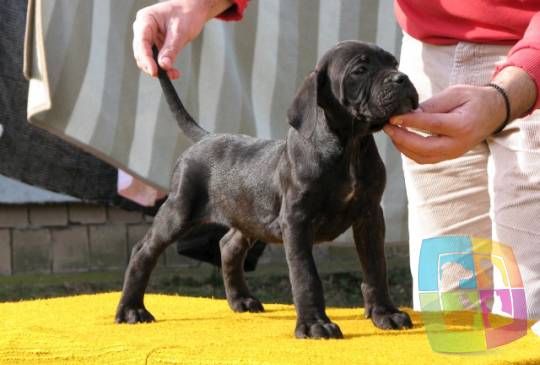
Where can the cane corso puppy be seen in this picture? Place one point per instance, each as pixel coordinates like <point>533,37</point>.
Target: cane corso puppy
<point>324,178</point>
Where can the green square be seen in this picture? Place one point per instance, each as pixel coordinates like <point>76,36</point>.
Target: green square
<point>453,331</point>
<point>430,302</point>
<point>461,300</point>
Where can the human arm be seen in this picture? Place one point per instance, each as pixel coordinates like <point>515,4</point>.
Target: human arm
<point>172,25</point>
<point>462,116</point>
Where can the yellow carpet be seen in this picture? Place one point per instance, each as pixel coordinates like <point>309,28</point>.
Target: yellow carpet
<point>80,330</point>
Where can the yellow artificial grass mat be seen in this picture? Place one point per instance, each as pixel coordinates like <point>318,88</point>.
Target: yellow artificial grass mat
<point>80,330</point>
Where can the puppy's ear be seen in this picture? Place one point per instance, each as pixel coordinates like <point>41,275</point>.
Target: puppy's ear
<point>302,114</point>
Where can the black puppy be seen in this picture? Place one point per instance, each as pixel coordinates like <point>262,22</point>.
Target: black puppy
<point>326,177</point>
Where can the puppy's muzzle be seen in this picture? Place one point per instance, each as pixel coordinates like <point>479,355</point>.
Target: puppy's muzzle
<point>396,95</point>
<point>407,95</point>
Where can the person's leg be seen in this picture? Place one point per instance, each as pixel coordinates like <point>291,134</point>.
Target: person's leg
<point>451,197</point>
<point>514,174</point>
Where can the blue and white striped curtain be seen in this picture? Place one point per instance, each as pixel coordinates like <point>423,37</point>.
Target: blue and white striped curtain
<point>236,77</point>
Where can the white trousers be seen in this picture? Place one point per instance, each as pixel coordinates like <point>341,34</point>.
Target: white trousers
<point>493,191</point>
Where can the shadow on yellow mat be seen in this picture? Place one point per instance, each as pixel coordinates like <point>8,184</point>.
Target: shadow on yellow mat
<point>80,330</point>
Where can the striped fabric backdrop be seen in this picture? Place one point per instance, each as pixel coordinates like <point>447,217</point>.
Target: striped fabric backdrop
<point>237,77</point>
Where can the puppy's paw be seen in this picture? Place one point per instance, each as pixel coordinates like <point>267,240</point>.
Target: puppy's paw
<point>317,329</point>
<point>390,318</point>
<point>126,314</point>
<point>246,304</point>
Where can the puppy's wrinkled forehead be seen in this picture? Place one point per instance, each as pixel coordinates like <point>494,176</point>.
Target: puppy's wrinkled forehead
<point>350,53</point>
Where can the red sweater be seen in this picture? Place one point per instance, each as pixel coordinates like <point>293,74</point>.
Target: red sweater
<point>508,22</point>
<point>235,12</point>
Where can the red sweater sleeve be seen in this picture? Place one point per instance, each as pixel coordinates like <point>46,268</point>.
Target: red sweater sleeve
<point>235,12</point>
<point>526,54</point>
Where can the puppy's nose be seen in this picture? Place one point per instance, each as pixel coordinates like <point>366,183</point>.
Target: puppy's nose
<point>398,78</point>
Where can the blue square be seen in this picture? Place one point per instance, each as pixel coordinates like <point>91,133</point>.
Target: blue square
<point>460,266</point>
<point>430,252</point>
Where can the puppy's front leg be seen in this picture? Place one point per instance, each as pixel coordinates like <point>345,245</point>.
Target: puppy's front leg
<point>369,240</point>
<point>312,321</point>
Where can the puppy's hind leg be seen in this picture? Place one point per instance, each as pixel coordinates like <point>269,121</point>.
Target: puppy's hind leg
<point>234,247</point>
<point>169,224</point>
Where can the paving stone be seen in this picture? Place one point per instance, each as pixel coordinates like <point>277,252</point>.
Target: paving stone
<point>87,213</point>
<point>70,249</point>
<point>13,216</point>
<point>149,218</point>
<point>31,251</point>
<point>48,215</point>
<point>5,252</point>
<point>108,247</point>
<point>123,216</point>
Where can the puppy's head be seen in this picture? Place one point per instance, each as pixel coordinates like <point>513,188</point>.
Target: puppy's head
<point>358,87</point>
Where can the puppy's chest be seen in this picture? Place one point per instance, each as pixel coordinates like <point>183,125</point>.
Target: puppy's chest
<point>341,198</point>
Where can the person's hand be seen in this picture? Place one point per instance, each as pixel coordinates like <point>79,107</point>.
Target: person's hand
<point>460,117</point>
<point>170,25</point>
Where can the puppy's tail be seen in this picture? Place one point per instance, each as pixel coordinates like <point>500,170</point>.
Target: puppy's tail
<point>187,124</point>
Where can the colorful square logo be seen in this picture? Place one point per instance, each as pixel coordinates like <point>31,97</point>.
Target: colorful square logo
<point>471,294</point>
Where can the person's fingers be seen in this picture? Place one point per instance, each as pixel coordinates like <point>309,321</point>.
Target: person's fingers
<point>425,147</point>
<point>446,101</point>
<point>410,154</point>
<point>147,62</point>
<point>419,159</point>
<point>145,30</point>
<point>435,123</point>
<point>160,39</point>
<point>175,40</point>
<point>173,74</point>
<point>439,114</point>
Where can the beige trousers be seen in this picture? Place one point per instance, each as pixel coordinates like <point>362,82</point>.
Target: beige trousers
<point>493,191</point>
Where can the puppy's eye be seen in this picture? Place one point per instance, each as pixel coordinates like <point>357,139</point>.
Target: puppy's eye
<point>359,71</point>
